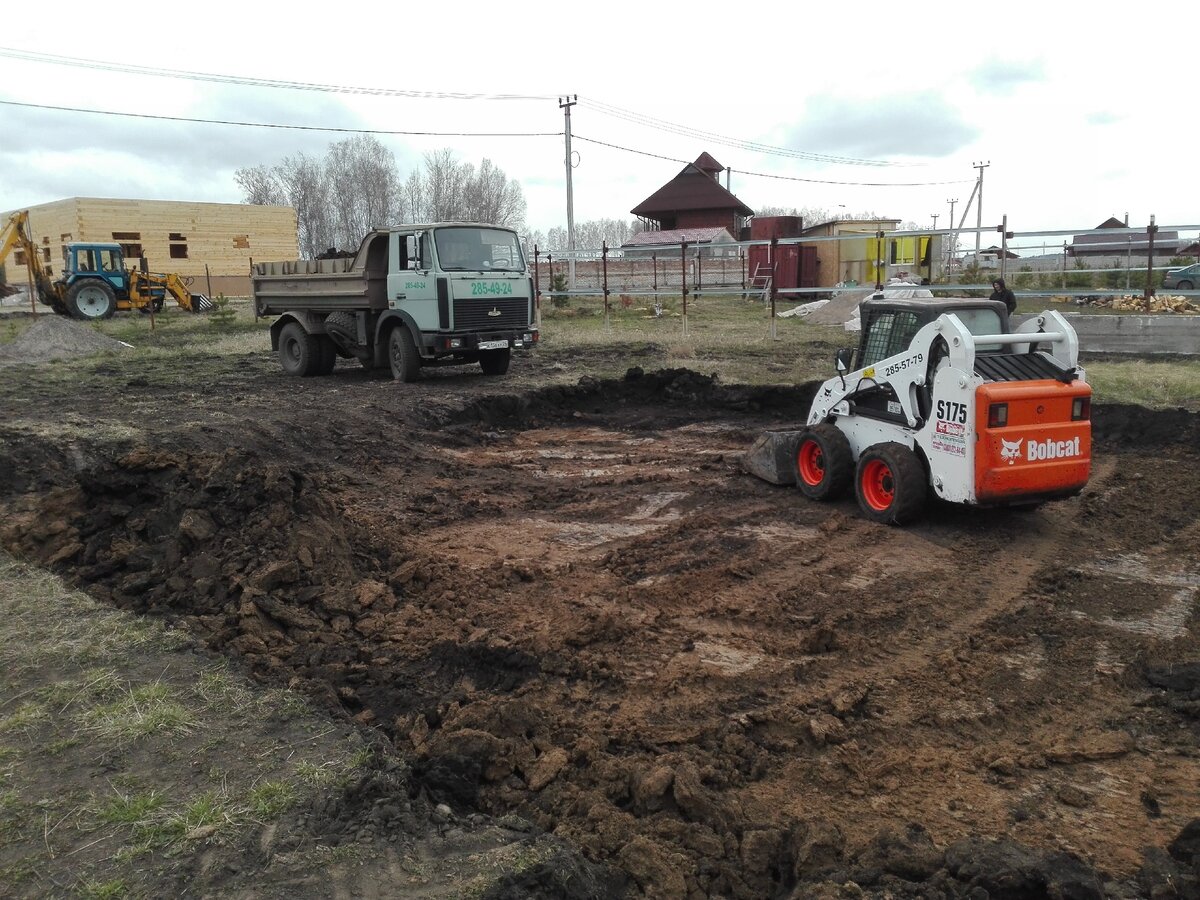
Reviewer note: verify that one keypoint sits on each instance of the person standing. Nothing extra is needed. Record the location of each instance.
(1001, 292)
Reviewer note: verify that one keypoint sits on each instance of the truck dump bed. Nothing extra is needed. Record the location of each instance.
(327, 285)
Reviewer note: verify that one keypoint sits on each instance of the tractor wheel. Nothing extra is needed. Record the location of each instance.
(327, 358)
(91, 299)
(402, 353)
(299, 351)
(824, 462)
(890, 484)
(495, 362)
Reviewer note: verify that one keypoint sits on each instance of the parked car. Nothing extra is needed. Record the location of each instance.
(1182, 279)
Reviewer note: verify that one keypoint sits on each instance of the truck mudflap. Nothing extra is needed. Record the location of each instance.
(1034, 440)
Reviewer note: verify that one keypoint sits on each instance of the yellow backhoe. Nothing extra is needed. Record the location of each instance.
(94, 283)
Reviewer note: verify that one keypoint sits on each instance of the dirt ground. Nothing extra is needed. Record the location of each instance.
(568, 604)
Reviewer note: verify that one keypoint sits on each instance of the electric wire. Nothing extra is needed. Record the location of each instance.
(325, 128)
(579, 137)
(739, 143)
(129, 68)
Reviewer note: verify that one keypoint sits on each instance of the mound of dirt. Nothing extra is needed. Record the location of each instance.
(55, 337)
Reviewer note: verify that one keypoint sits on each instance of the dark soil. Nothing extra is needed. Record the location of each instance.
(569, 604)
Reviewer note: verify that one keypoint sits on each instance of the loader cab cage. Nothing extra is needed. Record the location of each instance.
(890, 325)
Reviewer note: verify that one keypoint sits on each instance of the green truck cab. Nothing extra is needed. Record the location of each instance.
(449, 293)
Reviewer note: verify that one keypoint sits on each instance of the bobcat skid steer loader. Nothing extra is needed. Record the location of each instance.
(942, 397)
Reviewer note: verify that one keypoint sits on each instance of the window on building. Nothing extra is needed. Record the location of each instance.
(66, 238)
(131, 243)
(241, 241)
(46, 254)
(19, 257)
(177, 245)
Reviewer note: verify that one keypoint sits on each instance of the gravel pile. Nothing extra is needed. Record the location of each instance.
(56, 337)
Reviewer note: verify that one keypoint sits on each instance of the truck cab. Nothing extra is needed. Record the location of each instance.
(413, 296)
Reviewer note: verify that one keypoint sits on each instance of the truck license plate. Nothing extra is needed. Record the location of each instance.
(493, 345)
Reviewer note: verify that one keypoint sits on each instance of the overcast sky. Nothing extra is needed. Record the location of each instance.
(1084, 112)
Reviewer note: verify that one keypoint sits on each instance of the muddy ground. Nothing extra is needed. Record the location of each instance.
(569, 604)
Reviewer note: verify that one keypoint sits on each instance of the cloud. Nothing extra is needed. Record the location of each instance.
(916, 124)
(1003, 76)
(51, 154)
(1102, 118)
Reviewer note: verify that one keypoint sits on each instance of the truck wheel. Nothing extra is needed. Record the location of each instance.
(890, 484)
(402, 353)
(91, 299)
(299, 351)
(824, 462)
(495, 362)
(327, 358)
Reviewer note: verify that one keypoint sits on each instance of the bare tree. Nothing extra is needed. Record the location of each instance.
(357, 187)
(260, 186)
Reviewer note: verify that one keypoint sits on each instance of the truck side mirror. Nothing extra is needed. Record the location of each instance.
(412, 251)
(843, 360)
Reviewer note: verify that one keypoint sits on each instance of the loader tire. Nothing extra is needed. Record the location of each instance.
(890, 484)
(91, 299)
(824, 462)
(402, 354)
(299, 351)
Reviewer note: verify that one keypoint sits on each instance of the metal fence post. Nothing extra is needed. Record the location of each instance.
(1151, 230)
(774, 285)
(537, 290)
(604, 276)
(683, 282)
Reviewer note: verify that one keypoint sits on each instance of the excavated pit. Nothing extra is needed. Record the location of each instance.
(572, 605)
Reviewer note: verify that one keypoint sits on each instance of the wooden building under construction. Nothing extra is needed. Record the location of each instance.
(171, 235)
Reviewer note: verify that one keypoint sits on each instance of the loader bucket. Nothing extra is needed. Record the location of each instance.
(773, 457)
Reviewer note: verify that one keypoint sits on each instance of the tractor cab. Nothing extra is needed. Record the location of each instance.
(96, 261)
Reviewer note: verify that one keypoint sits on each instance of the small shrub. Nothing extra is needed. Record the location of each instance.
(558, 282)
(222, 314)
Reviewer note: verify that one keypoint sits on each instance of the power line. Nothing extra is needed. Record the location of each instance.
(327, 128)
(579, 137)
(53, 59)
(739, 143)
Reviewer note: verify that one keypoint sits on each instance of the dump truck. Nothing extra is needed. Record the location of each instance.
(413, 296)
(942, 398)
(95, 283)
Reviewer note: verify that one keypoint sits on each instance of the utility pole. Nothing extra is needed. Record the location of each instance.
(979, 208)
(565, 104)
(935, 218)
(950, 236)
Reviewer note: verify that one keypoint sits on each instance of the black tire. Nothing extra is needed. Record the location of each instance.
(495, 362)
(299, 351)
(402, 354)
(328, 355)
(1184, 286)
(890, 484)
(824, 462)
(91, 299)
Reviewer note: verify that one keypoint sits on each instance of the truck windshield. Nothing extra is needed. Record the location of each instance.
(478, 250)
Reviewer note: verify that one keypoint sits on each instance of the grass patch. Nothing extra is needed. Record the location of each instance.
(26, 717)
(271, 798)
(104, 890)
(130, 809)
(1153, 383)
(144, 710)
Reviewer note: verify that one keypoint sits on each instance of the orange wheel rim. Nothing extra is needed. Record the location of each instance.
(812, 463)
(878, 485)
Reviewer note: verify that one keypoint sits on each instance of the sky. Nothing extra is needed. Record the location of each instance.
(1082, 114)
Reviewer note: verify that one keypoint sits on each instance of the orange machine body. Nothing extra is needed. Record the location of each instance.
(1041, 451)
